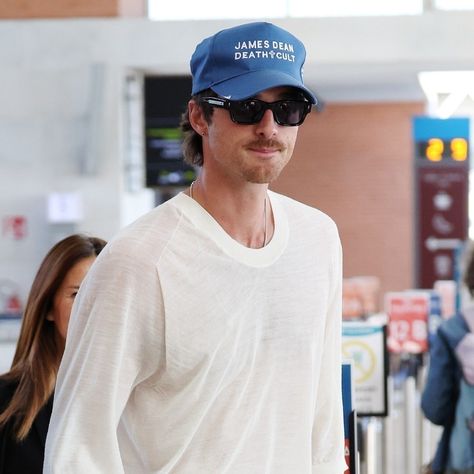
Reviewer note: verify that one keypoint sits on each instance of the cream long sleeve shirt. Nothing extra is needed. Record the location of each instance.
(188, 353)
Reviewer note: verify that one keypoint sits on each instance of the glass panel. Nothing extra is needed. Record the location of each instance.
(214, 9)
(453, 4)
(324, 8)
(266, 9)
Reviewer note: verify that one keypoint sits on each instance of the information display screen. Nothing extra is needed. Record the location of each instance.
(166, 99)
(436, 149)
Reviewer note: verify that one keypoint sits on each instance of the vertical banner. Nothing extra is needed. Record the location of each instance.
(441, 157)
(347, 406)
(351, 448)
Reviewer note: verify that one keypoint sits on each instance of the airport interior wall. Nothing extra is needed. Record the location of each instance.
(64, 127)
(70, 123)
(354, 161)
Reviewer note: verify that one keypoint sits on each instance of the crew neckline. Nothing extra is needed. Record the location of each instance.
(249, 256)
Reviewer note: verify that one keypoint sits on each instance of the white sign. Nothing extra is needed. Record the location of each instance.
(365, 345)
(65, 208)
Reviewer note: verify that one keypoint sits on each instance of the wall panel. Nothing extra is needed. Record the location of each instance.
(354, 162)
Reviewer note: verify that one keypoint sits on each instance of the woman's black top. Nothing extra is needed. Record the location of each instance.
(25, 457)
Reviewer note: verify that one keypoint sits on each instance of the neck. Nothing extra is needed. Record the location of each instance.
(244, 214)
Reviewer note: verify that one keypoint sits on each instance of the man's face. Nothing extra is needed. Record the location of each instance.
(254, 153)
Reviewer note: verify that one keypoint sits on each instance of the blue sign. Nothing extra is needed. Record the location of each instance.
(425, 128)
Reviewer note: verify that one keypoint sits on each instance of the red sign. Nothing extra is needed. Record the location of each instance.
(408, 322)
(347, 454)
(15, 227)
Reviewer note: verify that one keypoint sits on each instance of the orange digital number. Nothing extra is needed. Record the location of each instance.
(434, 150)
(459, 149)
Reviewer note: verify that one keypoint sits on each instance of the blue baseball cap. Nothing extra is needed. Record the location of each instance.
(240, 62)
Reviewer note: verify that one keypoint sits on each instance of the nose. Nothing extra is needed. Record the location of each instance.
(267, 127)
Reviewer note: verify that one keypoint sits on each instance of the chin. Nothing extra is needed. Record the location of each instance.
(262, 175)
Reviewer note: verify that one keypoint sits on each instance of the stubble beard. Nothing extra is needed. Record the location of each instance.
(266, 172)
(262, 174)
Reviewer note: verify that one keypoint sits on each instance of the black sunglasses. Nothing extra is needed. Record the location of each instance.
(247, 112)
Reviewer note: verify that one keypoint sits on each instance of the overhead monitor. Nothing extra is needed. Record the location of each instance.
(166, 98)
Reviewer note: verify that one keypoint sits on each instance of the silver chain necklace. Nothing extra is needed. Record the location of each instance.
(191, 195)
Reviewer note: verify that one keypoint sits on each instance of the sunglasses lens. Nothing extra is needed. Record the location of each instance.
(247, 111)
(289, 112)
(285, 112)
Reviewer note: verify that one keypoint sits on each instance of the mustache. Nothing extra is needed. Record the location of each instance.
(263, 143)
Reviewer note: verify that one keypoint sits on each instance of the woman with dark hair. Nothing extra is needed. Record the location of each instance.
(26, 391)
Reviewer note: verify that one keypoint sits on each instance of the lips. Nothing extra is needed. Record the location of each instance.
(265, 150)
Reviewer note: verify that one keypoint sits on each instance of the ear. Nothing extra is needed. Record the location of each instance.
(49, 317)
(196, 118)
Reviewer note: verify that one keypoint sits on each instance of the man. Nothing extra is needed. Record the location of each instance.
(207, 338)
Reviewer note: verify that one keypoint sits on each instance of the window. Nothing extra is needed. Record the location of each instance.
(266, 9)
(323, 8)
(453, 4)
(212, 9)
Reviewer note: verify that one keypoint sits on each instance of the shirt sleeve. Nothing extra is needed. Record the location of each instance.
(113, 344)
(328, 425)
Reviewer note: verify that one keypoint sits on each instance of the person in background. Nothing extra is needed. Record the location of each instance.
(448, 395)
(26, 391)
(208, 337)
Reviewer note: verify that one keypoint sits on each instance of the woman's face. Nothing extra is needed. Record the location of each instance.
(64, 297)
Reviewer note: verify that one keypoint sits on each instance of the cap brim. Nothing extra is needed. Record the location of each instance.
(252, 83)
